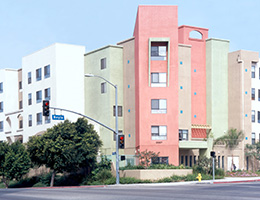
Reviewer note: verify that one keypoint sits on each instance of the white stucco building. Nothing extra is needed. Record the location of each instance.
(55, 73)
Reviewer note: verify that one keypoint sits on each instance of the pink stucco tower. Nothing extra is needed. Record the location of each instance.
(156, 81)
(198, 76)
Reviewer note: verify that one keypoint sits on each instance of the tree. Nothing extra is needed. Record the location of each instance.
(231, 140)
(14, 161)
(66, 147)
(145, 157)
(253, 150)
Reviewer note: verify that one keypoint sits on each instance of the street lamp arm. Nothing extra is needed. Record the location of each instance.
(92, 75)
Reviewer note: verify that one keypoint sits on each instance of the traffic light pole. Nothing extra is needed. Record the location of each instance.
(116, 131)
(117, 142)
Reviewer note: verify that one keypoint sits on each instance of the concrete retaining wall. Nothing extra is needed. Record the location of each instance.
(154, 174)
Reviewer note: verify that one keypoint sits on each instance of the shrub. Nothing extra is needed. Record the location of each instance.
(190, 177)
(176, 178)
(165, 180)
(110, 181)
(40, 185)
(129, 180)
(103, 175)
(219, 172)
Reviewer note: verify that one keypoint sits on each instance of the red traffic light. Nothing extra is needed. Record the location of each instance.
(46, 108)
(121, 141)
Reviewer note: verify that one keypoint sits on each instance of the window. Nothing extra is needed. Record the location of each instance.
(120, 111)
(253, 94)
(29, 77)
(190, 161)
(159, 105)
(38, 96)
(183, 134)
(259, 94)
(181, 159)
(47, 94)
(194, 161)
(103, 88)
(253, 138)
(21, 104)
(253, 115)
(258, 116)
(195, 35)
(39, 118)
(1, 87)
(1, 106)
(20, 124)
(158, 79)
(160, 160)
(38, 74)
(47, 119)
(218, 161)
(159, 132)
(20, 85)
(30, 99)
(103, 63)
(253, 71)
(29, 120)
(186, 160)
(158, 52)
(223, 162)
(47, 71)
(1, 126)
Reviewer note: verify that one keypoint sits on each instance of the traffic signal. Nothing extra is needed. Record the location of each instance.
(46, 108)
(212, 153)
(121, 141)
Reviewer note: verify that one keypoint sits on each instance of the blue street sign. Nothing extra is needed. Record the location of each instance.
(113, 153)
(58, 117)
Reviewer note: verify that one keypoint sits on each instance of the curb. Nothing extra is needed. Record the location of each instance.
(244, 181)
(59, 187)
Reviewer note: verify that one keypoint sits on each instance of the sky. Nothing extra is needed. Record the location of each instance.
(30, 25)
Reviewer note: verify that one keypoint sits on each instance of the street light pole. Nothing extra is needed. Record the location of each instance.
(116, 131)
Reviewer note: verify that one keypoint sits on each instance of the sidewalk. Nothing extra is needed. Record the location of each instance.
(237, 180)
(218, 181)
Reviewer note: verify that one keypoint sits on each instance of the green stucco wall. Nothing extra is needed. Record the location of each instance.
(100, 106)
(217, 85)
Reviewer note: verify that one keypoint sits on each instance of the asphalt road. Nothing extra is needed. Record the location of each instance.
(236, 191)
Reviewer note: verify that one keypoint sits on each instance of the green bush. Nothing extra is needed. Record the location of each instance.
(220, 172)
(164, 180)
(133, 167)
(129, 180)
(176, 178)
(154, 166)
(26, 182)
(110, 181)
(40, 185)
(103, 175)
(190, 177)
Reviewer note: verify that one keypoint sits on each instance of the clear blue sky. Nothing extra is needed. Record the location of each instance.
(29, 25)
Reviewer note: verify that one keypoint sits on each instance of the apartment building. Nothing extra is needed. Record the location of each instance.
(55, 73)
(243, 104)
(105, 62)
(10, 112)
(178, 90)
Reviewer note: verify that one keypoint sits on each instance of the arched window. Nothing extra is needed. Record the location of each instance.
(195, 35)
(8, 120)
